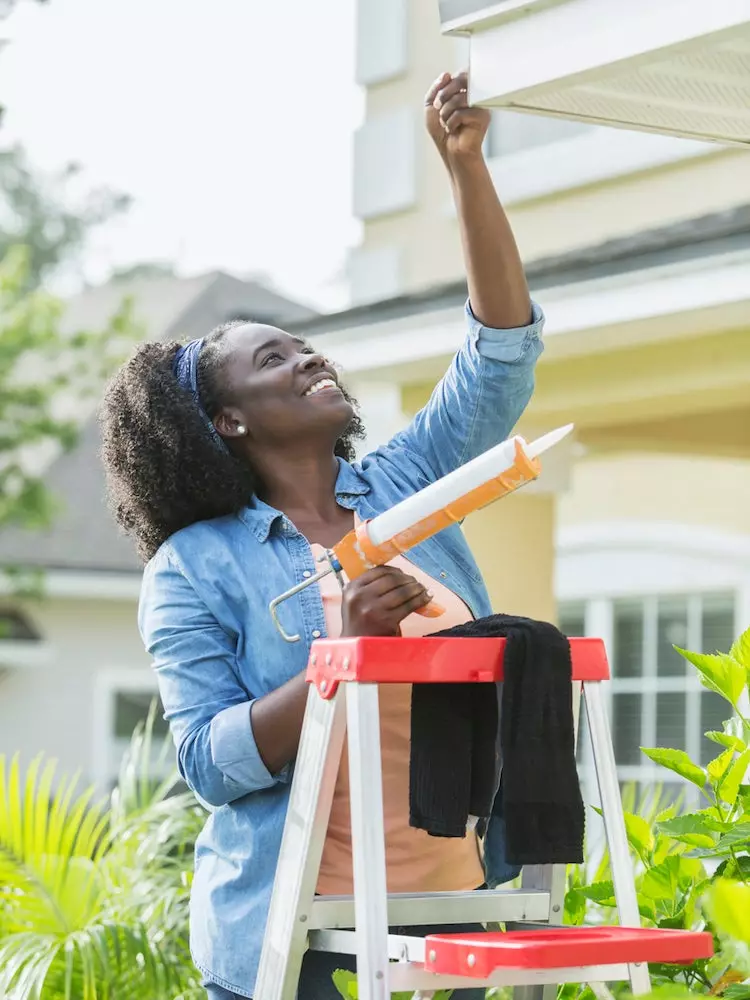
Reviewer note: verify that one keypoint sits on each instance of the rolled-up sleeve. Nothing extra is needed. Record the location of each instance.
(206, 706)
(507, 346)
(474, 406)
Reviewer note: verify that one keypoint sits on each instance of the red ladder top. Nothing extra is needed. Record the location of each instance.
(376, 660)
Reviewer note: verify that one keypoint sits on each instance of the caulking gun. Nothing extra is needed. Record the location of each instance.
(448, 500)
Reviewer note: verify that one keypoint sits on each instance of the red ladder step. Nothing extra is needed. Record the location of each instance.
(479, 955)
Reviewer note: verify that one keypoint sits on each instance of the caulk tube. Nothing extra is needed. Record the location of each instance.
(443, 492)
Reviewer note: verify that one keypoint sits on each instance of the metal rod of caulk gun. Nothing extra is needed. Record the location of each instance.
(273, 606)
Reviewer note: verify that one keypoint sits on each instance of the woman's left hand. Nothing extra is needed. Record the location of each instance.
(456, 129)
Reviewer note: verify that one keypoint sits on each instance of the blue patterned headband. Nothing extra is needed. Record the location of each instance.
(185, 368)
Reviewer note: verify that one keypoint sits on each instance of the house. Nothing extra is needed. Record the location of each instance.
(74, 677)
(638, 247)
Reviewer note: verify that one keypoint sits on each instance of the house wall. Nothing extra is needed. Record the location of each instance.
(62, 706)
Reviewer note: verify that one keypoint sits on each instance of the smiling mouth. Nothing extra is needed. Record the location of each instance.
(322, 385)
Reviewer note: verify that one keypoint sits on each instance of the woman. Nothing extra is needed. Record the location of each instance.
(230, 461)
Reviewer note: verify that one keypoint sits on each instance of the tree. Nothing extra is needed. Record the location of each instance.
(41, 214)
(43, 367)
(146, 269)
(41, 363)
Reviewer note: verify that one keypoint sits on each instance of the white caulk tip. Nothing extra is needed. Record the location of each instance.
(547, 441)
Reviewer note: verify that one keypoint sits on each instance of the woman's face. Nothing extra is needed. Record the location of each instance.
(280, 389)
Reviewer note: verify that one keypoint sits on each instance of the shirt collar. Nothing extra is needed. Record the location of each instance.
(260, 517)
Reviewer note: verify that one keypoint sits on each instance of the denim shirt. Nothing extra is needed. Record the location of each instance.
(204, 619)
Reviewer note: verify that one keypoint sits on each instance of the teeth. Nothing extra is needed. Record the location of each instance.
(324, 383)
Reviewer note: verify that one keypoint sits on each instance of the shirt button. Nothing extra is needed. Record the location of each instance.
(444, 576)
(307, 573)
(316, 633)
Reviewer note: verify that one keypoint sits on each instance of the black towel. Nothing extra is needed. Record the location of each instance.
(457, 747)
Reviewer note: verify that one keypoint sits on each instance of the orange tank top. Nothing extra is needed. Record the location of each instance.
(415, 862)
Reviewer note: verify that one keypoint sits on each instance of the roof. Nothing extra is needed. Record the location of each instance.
(84, 535)
(165, 306)
(702, 236)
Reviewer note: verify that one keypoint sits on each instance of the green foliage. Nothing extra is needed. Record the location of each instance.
(48, 376)
(42, 214)
(692, 870)
(346, 984)
(730, 908)
(93, 896)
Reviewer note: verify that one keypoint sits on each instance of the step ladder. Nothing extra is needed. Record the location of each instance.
(344, 675)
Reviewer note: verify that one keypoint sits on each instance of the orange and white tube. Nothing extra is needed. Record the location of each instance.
(487, 478)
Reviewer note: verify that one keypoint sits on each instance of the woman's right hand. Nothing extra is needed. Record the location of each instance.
(378, 601)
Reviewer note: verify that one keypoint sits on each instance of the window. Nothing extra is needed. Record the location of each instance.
(131, 709)
(123, 699)
(382, 40)
(656, 698)
(385, 164)
(512, 132)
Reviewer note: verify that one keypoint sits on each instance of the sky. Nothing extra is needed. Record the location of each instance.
(229, 122)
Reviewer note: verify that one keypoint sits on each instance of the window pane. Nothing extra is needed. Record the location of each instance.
(714, 712)
(572, 620)
(628, 639)
(670, 792)
(131, 707)
(626, 728)
(718, 624)
(671, 707)
(672, 630)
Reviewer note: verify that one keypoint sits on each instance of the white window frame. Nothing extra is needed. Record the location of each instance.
(653, 560)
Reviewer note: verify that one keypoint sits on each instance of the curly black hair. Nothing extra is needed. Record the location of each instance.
(164, 470)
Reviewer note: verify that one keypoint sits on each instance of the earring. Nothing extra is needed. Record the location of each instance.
(241, 429)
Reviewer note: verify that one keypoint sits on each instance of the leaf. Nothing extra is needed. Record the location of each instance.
(737, 837)
(735, 868)
(677, 761)
(600, 892)
(663, 880)
(640, 835)
(730, 786)
(719, 672)
(740, 650)
(696, 829)
(737, 991)
(730, 907)
(575, 907)
(726, 740)
(719, 766)
(346, 983)
(676, 922)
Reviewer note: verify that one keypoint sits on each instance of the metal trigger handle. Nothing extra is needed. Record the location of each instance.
(273, 606)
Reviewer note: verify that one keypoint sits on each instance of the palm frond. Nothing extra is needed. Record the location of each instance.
(93, 898)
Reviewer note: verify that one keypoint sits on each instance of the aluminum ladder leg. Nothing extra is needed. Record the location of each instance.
(313, 784)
